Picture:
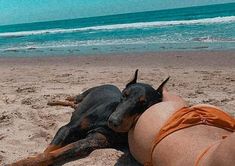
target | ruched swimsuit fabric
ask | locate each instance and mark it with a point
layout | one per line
(191, 116)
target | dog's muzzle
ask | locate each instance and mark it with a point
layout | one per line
(114, 122)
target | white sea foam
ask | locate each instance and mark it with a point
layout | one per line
(66, 44)
(163, 23)
(213, 39)
(111, 42)
(123, 26)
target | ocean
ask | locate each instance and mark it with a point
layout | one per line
(194, 28)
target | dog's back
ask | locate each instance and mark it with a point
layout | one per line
(99, 96)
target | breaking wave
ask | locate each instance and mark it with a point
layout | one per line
(138, 25)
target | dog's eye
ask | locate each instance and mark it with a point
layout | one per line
(143, 100)
(126, 94)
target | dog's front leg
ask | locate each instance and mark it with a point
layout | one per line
(80, 148)
(77, 149)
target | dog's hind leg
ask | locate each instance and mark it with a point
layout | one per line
(77, 149)
(71, 101)
(77, 99)
(71, 98)
(62, 103)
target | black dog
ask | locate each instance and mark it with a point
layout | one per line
(94, 116)
(136, 98)
(87, 129)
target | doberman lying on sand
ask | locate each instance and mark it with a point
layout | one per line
(93, 124)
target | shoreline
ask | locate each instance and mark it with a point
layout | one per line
(188, 58)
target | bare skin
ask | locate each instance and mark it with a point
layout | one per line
(182, 147)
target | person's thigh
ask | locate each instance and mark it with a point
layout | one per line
(222, 154)
(148, 125)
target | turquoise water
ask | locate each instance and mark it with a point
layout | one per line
(195, 28)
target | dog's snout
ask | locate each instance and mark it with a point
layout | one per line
(114, 122)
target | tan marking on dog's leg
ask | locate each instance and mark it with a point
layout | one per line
(38, 160)
(51, 148)
(85, 123)
(71, 98)
(62, 103)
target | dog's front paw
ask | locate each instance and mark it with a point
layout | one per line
(39, 160)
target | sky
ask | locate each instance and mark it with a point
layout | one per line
(26, 11)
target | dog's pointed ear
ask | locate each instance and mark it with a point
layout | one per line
(133, 81)
(160, 88)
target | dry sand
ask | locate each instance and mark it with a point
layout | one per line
(27, 124)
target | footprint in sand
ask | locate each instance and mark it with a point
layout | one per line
(212, 102)
(1, 159)
(2, 136)
(229, 79)
(27, 101)
(202, 72)
(192, 95)
(226, 100)
(64, 75)
(199, 92)
(26, 90)
(35, 103)
(9, 99)
(39, 134)
(5, 119)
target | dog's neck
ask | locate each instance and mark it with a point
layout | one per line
(135, 121)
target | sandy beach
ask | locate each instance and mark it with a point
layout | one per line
(27, 124)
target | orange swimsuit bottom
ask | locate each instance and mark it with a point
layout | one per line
(191, 116)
